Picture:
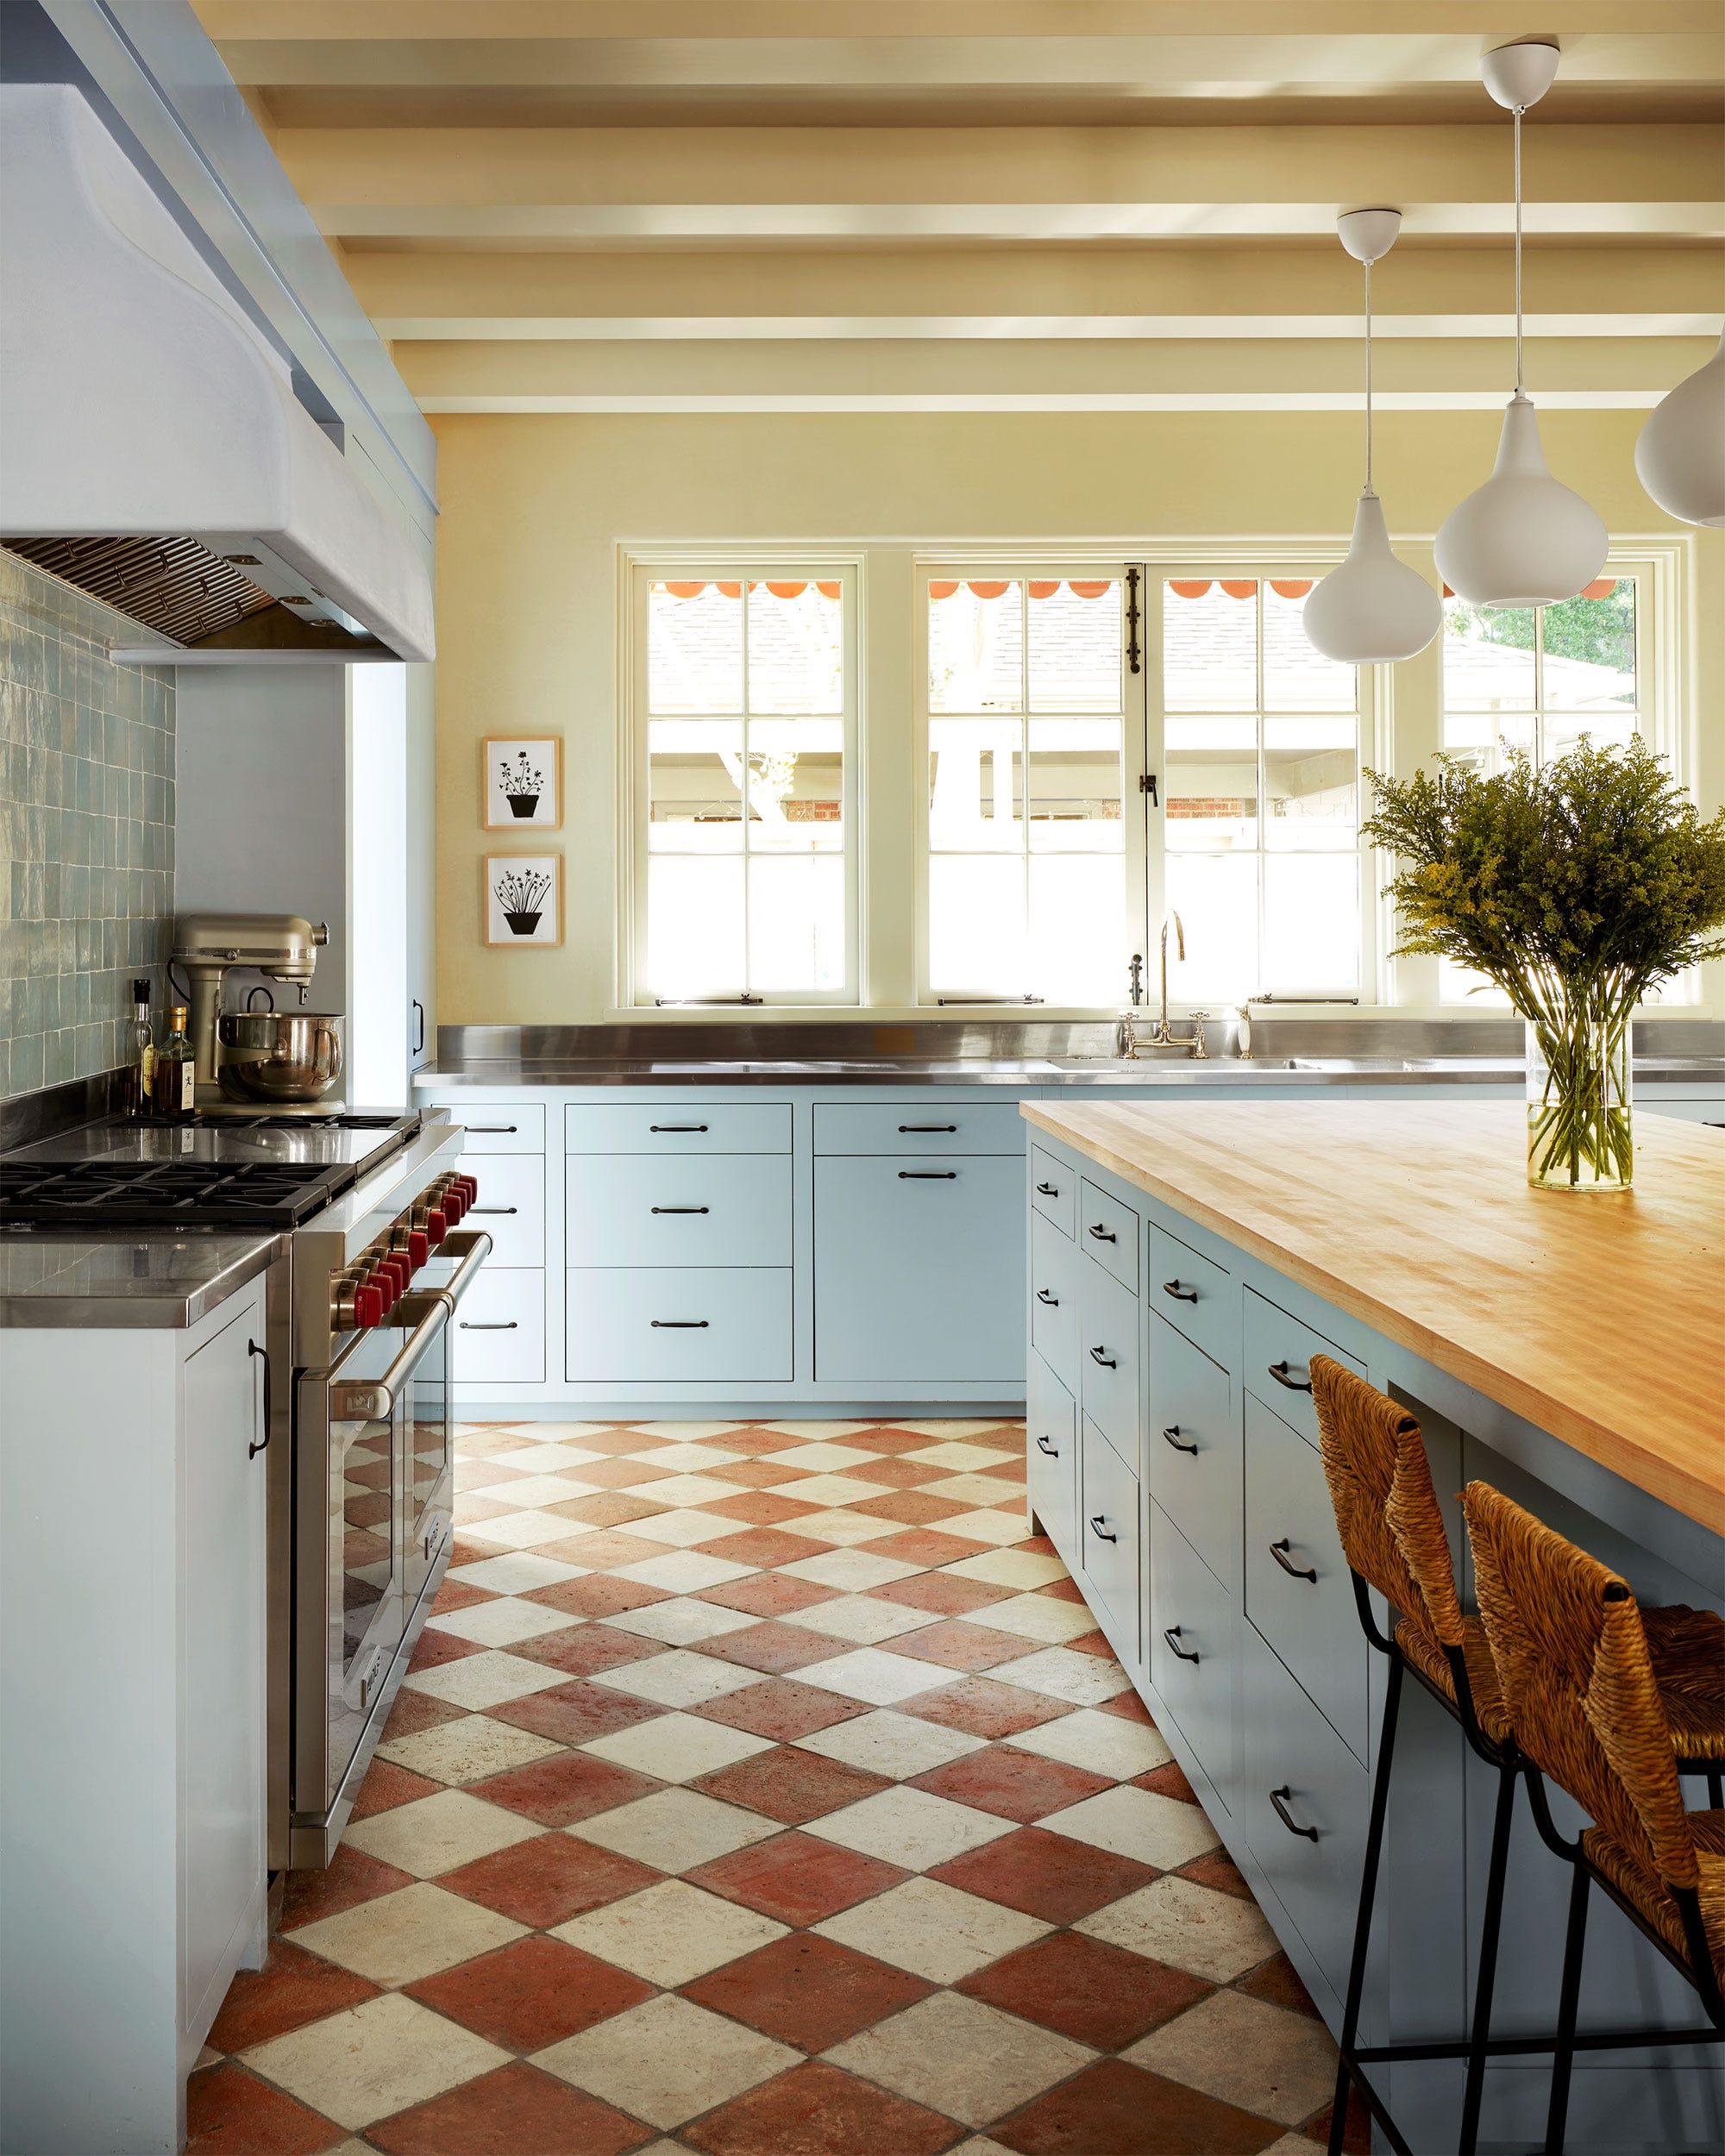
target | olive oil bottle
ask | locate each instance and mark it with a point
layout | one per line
(138, 1094)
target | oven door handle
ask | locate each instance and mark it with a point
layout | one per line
(374, 1401)
(472, 1246)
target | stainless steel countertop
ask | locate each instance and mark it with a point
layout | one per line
(121, 1281)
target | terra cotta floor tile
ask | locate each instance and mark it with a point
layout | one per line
(558, 1791)
(1099, 1993)
(797, 1878)
(818, 2110)
(348, 1879)
(807, 1990)
(1045, 1875)
(1130, 2113)
(230, 2112)
(544, 1881)
(791, 1784)
(1016, 1784)
(530, 1994)
(510, 2113)
(782, 1709)
(292, 1988)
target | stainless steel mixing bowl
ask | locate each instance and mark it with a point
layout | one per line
(280, 1055)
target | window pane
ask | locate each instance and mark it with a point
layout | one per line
(694, 647)
(796, 923)
(976, 645)
(1209, 646)
(1484, 741)
(976, 924)
(1311, 925)
(1461, 984)
(1076, 917)
(1488, 658)
(695, 926)
(1310, 784)
(694, 778)
(974, 783)
(1216, 897)
(1606, 729)
(796, 786)
(1075, 785)
(1209, 789)
(1075, 645)
(1590, 652)
(796, 647)
(1297, 677)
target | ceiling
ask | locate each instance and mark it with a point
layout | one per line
(562, 205)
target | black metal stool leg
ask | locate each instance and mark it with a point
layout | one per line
(1367, 1895)
(1479, 2034)
(1715, 1789)
(1563, 2063)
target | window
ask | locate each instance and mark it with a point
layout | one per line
(744, 862)
(1025, 712)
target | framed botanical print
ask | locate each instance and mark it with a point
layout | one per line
(523, 899)
(523, 782)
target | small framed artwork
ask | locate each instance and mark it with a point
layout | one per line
(522, 784)
(523, 899)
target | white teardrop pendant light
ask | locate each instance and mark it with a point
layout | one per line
(1680, 457)
(1372, 608)
(1523, 539)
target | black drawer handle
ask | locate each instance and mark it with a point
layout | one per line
(1173, 1436)
(676, 1130)
(679, 1325)
(491, 1129)
(1107, 1362)
(1279, 1372)
(1048, 1190)
(1102, 1234)
(1180, 1294)
(681, 1208)
(1100, 1531)
(930, 1129)
(476, 1325)
(1306, 1833)
(1171, 1634)
(262, 1354)
(1052, 1451)
(494, 1209)
(928, 1175)
(1043, 1295)
(1279, 1551)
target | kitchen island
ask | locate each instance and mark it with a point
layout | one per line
(1187, 1259)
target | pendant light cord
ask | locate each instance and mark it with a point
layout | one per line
(1518, 110)
(1368, 378)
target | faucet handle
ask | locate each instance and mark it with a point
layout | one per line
(1200, 1051)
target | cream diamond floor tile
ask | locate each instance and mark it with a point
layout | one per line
(853, 1572)
(817, 1433)
(1060, 1673)
(949, 1431)
(1007, 1568)
(466, 1751)
(932, 1930)
(833, 1489)
(1001, 1528)
(959, 1458)
(683, 1528)
(678, 1678)
(1102, 1743)
(957, 2056)
(1262, 2058)
(670, 1933)
(667, 2060)
(547, 1457)
(674, 1830)
(821, 1455)
(678, 1747)
(537, 1490)
(683, 1571)
(523, 1530)
(1137, 1823)
(876, 1675)
(501, 1623)
(689, 1437)
(900, 1745)
(842, 1528)
(1216, 1936)
(396, 1939)
(1040, 1617)
(684, 1489)
(435, 1833)
(362, 2065)
(679, 1622)
(478, 1681)
(864, 1620)
(516, 1572)
(911, 1828)
(961, 1489)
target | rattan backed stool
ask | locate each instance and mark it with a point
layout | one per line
(1590, 1700)
(1392, 1534)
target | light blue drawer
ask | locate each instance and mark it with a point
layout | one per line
(1192, 1445)
(1276, 1353)
(1108, 1359)
(497, 1336)
(1294, 1759)
(1053, 1191)
(1056, 1269)
(1194, 1294)
(1108, 1229)
(625, 1209)
(919, 1270)
(1290, 1533)
(1051, 1456)
(1108, 1534)
(669, 1325)
(511, 1207)
(498, 1126)
(968, 1126)
(1194, 1643)
(679, 1126)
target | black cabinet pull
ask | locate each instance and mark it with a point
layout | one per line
(1173, 1436)
(1306, 1833)
(676, 1130)
(1171, 1634)
(679, 1325)
(1052, 1451)
(1279, 1551)
(480, 1324)
(1100, 1531)
(1107, 1362)
(420, 1036)
(253, 1450)
(928, 1175)
(1043, 1295)
(1279, 1372)
(681, 1208)
(1102, 1234)
(926, 1129)
(491, 1129)
(494, 1209)
(1049, 1190)
(1180, 1294)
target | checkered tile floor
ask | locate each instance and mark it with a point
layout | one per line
(763, 1789)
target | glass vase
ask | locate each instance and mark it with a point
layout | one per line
(1580, 1080)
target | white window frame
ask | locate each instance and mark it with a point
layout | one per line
(641, 569)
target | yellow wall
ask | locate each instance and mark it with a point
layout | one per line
(535, 509)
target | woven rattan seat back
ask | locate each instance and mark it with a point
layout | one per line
(1578, 1686)
(1392, 1532)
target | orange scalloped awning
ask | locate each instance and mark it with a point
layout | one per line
(1290, 587)
(1039, 587)
(831, 591)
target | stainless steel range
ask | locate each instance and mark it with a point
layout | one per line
(361, 1431)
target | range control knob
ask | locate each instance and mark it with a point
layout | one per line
(411, 1243)
(437, 1224)
(358, 1306)
(382, 1282)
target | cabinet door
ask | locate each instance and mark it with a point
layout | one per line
(422, 867)
(1051, 1456)
(221, 1795)
(919, 1270)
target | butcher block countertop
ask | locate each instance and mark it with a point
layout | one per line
(1598, 1318)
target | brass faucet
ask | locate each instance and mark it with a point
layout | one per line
(1160, 1036)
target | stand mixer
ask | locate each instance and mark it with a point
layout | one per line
(284, 947)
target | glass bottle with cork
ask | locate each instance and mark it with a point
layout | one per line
(137, 1092)
(175, 1075)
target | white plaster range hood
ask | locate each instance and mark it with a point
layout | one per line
(152, 449)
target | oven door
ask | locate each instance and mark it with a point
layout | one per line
(430, 1438)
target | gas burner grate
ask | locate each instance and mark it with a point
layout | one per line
(193, 1193)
